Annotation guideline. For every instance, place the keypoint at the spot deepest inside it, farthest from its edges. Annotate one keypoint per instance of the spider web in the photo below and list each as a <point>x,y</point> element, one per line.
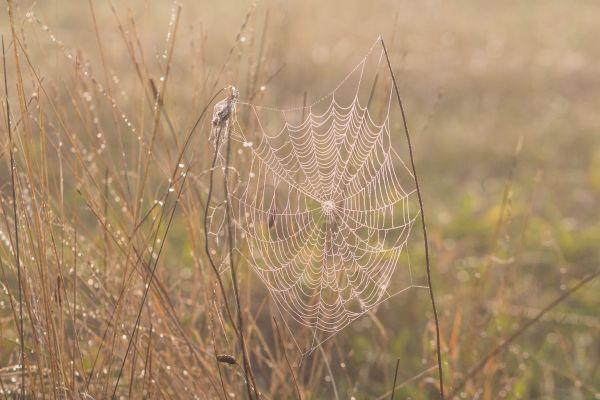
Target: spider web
<point>324,207</point>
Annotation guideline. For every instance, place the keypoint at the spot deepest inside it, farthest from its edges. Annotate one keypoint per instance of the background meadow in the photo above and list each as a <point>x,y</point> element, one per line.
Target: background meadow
<point>118,297</point>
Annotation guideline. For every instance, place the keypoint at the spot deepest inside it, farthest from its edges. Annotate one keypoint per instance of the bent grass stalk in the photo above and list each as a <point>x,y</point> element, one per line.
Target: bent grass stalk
<point>425,242</point>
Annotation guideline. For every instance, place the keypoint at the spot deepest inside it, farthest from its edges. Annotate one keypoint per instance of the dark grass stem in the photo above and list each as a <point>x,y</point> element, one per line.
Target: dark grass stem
<point>395,378</point>
<point>15,221</point>
<point>232,269</point>
<point>211,261</point>
<point>425,242</point>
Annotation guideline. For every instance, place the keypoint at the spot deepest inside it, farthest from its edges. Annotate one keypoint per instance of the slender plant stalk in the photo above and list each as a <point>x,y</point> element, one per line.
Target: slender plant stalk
<point>425,242</point>
<point>74,308</point>
<point>212,262</point>
<point>105,216</point>
<point>395,378</point>
<point>286,359</point>
<point>230,240</point>
<point>328,367</point>
<point>406,382</point>
<point>214,343</point>
<point>16,222</point>
<point>261,50</point>
<point>148,350</point>
<point>504,344</point>
<point>148,284</point>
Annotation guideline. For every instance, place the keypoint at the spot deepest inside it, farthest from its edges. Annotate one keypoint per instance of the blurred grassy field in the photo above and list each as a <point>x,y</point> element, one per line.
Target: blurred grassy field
<point>502,99</point>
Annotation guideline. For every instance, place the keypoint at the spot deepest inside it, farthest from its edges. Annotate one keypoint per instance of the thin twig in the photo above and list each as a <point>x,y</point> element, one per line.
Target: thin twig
<point>502,346</point>
<point>425,243</point>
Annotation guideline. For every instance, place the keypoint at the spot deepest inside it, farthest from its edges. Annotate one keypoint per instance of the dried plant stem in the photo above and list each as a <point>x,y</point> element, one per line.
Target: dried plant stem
<point>395,378</point>
<point>146,360</point>
<point>236,293</point>
<point>259,60</point>
<point>406,382</point>
<point>105,230</point>
<point>148,284</point>
<point>425,243</point>
<point>157,114</point>
<point>15,220</point>
<point>74,308</point>
<point>152,268</point>
<point>328,367</point>
<point>236,329</point>
<point>504,344</point>
<point>211,328</point>
<point>286,359</point>
<point>235,44</point>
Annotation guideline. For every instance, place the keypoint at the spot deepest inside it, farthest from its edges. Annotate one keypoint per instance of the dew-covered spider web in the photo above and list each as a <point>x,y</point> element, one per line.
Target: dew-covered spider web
<point>326,203</point>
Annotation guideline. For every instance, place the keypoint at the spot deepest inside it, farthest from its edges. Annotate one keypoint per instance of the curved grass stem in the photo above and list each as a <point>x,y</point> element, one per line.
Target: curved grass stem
<point>425,243</point>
